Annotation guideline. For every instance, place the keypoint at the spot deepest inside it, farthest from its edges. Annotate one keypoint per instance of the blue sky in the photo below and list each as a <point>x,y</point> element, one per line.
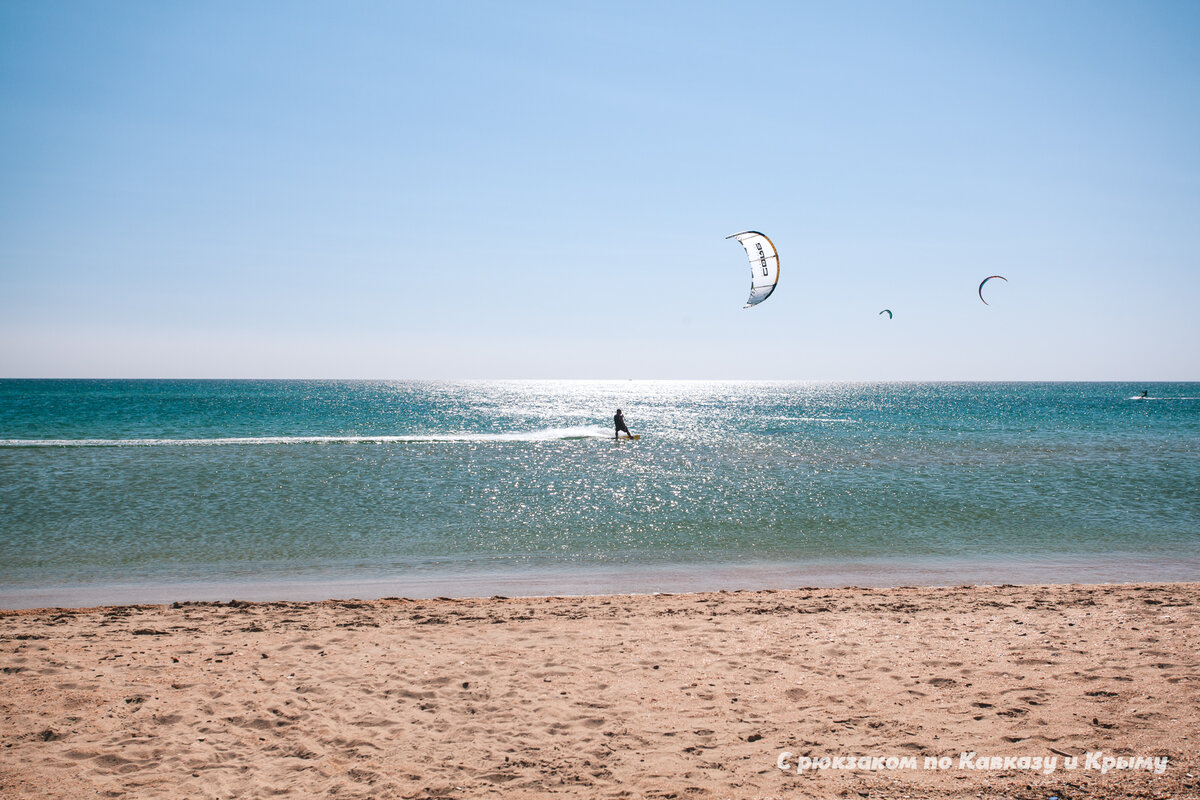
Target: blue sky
<point>542,190</point>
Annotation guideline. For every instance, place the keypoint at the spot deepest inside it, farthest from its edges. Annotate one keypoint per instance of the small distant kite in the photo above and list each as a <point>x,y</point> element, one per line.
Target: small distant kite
<point>985,280</point>
<point>887,311</point>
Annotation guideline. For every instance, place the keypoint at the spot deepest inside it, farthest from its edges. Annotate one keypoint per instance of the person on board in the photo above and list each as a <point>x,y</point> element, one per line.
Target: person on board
<point>1145,392</point>
<point>619,422</point>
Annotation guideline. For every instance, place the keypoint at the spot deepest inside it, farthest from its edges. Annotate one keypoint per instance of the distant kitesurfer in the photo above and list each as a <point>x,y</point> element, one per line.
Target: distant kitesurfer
<point>619,422</point>
<point>1145,392</point>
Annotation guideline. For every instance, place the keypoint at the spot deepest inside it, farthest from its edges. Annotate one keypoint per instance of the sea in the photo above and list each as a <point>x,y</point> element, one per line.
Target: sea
<point>152,491</point>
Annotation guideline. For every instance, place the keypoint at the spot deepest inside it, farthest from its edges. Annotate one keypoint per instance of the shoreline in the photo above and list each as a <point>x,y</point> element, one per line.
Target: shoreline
<point>692,695</point>
<point>622,579</point>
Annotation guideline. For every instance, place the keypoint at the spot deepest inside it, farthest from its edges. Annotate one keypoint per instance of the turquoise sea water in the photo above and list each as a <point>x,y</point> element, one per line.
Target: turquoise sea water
<point>155,490</point>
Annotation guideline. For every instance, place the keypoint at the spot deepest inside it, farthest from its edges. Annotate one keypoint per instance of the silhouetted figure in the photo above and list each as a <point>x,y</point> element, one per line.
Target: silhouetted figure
<point>619,422</point>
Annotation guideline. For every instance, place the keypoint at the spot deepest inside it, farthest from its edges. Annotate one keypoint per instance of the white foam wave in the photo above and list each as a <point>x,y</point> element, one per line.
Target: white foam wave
<point>546,435</point>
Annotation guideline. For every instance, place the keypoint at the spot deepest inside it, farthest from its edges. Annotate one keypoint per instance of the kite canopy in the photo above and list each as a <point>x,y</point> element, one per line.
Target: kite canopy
<point>985,280</point>
<point>764,265</point>
<point>887,311</point>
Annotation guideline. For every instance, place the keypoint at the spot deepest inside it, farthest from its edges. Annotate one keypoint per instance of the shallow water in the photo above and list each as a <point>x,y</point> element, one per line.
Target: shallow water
<point>480,486</point>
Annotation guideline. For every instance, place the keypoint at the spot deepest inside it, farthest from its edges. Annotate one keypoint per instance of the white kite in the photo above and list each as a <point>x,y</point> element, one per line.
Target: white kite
<point>764,265</point>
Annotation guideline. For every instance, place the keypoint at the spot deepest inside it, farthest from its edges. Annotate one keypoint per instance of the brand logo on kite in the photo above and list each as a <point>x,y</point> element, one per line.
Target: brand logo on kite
<point>762,258</point>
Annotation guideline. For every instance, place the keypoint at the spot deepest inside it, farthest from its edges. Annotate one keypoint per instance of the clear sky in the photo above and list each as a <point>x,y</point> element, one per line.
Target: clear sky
<point>543,190</point>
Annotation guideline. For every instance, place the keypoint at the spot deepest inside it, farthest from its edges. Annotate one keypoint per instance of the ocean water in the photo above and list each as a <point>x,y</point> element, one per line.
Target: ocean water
<point>124,491</point>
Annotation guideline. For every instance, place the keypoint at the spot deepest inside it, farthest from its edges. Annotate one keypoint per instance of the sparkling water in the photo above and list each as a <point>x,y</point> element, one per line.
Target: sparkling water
<point>155,490</point>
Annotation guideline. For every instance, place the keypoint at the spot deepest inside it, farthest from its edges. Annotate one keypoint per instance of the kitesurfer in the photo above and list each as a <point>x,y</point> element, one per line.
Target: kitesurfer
<point>619,422</point>
<point>1145,393</point>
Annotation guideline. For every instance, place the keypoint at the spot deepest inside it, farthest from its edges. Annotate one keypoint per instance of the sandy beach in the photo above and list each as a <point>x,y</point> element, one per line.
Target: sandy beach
<point>671,696</point>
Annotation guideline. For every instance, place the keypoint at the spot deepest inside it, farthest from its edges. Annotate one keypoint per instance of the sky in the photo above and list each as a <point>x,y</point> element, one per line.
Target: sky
<point>543,190</point>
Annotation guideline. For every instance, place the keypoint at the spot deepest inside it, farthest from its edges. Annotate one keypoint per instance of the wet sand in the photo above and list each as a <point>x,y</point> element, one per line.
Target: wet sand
<point>684,696</point>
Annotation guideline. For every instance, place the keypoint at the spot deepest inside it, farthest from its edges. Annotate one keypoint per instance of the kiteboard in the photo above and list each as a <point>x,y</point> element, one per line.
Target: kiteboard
<point>635,437</point>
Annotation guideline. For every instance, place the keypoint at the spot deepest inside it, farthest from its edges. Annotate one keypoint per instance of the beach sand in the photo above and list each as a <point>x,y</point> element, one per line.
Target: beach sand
<point>664,696</point>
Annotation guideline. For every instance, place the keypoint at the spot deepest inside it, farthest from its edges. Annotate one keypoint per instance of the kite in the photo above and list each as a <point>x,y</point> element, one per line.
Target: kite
<point>764,265</point>
<point>985,280</point>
